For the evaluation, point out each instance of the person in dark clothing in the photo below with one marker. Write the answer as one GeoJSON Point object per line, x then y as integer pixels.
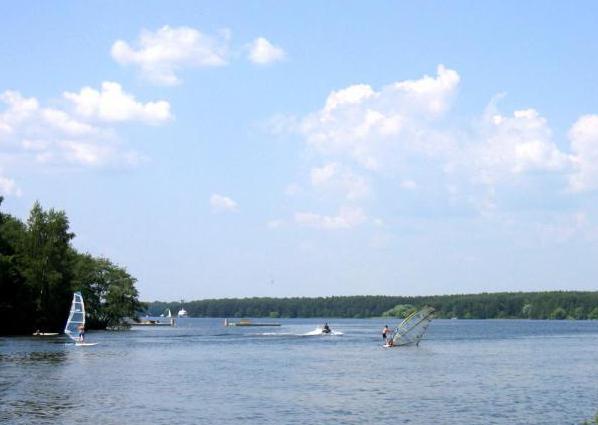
{"type": "Point", "coordinates": [385, 333]}
{"type": "Point", "coordinates": [326, 328]}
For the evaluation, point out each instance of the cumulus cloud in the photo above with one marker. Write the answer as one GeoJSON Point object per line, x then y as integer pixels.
{"type": "Point", "coordinates": [366, 125]}
{"type": "Point", "coordinates": [402, 134]}
{"type": "Point", "coordinates": [18, 110]}
{"type": "Point", "coordinates": [160, 54]}
{"type": "Point", "coordinates": [275, 223]}
{"type": "Point", "coordinates": [335, 177]}
{"type": "Point", "coordinates": [62, 121]}
{"type": "Point", "coordinates": [32, 133]}
{"type": "Point", "coordinates": [8, 187]}
{"type": "Point", "coordinates": [408, 184]}
{"type": "Point", "coordinates": [346, 218]}
{"type": "Point", "coordinates": [111, 103]}
{"type": "Point", "coordinates": [583, 136]}
{"type": "Point", "coordinates": [430, 93]}
{"type": "Point", "coordinates": [513, 145]}
{"type": "Point", "coordinates": [262, 52]}
{"type": "Point", "coordinates": [221, 203]}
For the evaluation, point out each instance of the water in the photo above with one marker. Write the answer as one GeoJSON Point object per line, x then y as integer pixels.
{"type": "Point", "coordinates": [465, 372]}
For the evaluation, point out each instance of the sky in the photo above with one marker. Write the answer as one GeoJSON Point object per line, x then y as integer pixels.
{"type": "Point", "coordinates": [266, 148]}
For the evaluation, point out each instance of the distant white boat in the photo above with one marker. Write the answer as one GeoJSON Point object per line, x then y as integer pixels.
{"type": "Point", "coordinates": [76, 321]}
{"type": "Point", "coordinates": [168, 314]}
{"type": "Point", "coordinates": [182, 312]}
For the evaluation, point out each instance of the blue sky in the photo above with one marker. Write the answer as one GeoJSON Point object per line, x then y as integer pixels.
{"type": "Point", "coordinates": [301, 149]}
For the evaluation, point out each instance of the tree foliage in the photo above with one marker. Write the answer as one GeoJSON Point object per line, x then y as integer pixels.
{"type": "Point", "coordinates": [522, 305]}
{"type": "Point", "coordinates": [400, 310]}
{"type": "Point", "coordinates": [39, 270]}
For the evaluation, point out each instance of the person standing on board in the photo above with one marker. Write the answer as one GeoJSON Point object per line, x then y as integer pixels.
{"type": "Point", "coordinates": [81, 329]}
{"type": "Point", "coordinates": [385, 333]}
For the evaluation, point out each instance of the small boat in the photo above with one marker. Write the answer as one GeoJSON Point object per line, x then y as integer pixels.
{"type": "Point", "coordinates": [321, 331]}
{"type": "Point", "coordinates": [245, 322]}
{"type": "Point", "coordinates": [38, 333]}
{"type": "Point", "coordinates": [182, 312]}
{"type": "Point", "coordinates": [75, 324]}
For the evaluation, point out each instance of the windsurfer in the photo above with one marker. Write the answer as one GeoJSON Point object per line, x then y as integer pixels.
{"type": "Point", "coordinates": [385, 333]}
{"type": "Point", "coordinates": [81, 330]}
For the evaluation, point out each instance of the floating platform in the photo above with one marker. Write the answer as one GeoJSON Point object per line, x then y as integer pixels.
{"type": "Point", "coordinates": [248, 323]}
{"type": "Point", "coordinates": [153, 323]}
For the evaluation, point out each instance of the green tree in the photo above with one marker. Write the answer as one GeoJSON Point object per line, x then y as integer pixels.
{"type": "Point", "coordinates": [558, 313]}
{"type": "Point", "coordinates": [579, 313]}
{"type": "Point", "coordinates": [527, 311]}
{"type": "Point", "coordinates": [39, 269]}
{"type": "Point", "coordinates": [108, 290]}
{"type": "Point", "coordinates": [16, 305]}
{"type": "Point", "coordinates": [400, 310]}
{"type": "Point", "coordinates": [47, 266]}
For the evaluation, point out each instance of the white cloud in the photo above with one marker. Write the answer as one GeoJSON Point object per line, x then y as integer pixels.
{"type": "Point", "coordinates": [514, 145]}
{"type": "Point", "coordinates": [347, 218]}
{"type": "Point", "coordinates": [322, 175]}
{"type": "Point", "coordinates": [33, 134]}
{"type": "Point", "coordinates": [351, 95]}
{"type": "Point", "coordinates": [402, 135]}
{"type": "Point", "coordinates": [63, 122]}
{"type": "Point", "coordinates": [583, 136]}
{"type": "Point", "coordinates": [275, 224]}
{"type": "Point", "coordinates": [370, 127]}
{"type": "Point", "coordinates": [8, 187]}
{"type": "Point", "coordinates": [19, 109]}
{"type": "Point", "coordinates": [262, 52]}
{"type": "Point", "coordinates": [335, 177]}
{"type": "Point", "coordinates": [409, 184]}
{"type": "Point", "coordinates": [431, 93]}
{"type": "Point", "coordinates": [220, 203]}
{"type": "Point", "coordinates": [112, 104]}
{"type": "Point", "coordinates": [160, 54]}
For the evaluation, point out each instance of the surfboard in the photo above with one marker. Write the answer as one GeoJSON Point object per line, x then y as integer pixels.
{"type": "Point", "coordinates": [85, 344]}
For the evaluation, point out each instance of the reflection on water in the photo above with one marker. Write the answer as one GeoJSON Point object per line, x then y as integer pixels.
{"type": "Point", "coordinates": [32, 371]}
{"type": "Point", "coordinates": [471, 372]}
{"type": "Point", "coordinates": [35, 357]}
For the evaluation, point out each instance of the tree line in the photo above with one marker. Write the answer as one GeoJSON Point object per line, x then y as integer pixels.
{"type": "Point", "coordinates": [517, 305]}
{"type": "Point", "coordinates": [40, 270]}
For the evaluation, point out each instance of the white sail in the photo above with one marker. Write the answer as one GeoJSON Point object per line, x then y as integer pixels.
{"type": "Point", "coordinates": [169, 314]}
{"type": "Point", "coordinates": [76, 318]}
{"type": "Point", "coordinates": [412, 329]}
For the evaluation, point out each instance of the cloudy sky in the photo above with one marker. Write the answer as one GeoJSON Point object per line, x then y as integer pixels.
{"type": "Point", "coordinates": [268, 148]}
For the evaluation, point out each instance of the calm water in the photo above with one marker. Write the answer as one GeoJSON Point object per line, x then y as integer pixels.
{"type": "Point", "coordinates": [465, 372]}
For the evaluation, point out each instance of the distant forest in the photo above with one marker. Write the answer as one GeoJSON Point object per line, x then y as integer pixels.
{"type": "Point", "coordinates": [518, 305]}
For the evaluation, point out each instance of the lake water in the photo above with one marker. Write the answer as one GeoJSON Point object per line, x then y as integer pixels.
{"type": "Point", "coordinates": [464, 372]}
